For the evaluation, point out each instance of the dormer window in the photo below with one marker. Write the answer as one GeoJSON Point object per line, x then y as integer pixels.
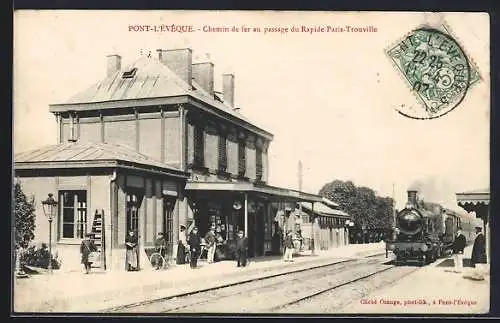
{"type": "Point", "coordinates": [130, 74]}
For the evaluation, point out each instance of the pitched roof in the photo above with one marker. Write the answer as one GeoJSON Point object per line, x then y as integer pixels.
{"type": "Point", "coordinates": [152, 80]}
{"type": "Point", "coordinates": [323, 209]}
{"type": "Point", "coordinates": [87, 151]}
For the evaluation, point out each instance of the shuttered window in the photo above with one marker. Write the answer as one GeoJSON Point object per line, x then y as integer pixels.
{"type": "Point", "coordinates": [199, 147]}
{"type": "Point", "coordinates": [222, 152]}
{"type": "Point", "coordinates": [258, 164]}
{"type": "Point", "coordinates": [241, 158]}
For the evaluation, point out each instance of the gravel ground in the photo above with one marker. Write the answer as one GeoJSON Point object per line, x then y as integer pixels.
{"type": "Point", "coordinates": [268, 294]}
{"type": "Point", "coordinates": [335, 300]}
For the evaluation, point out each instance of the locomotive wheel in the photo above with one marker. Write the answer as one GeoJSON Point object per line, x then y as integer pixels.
{"type": "Point", "coordinates": [397, 262]}
{"type": "Point", "coordinates": [429, 258]}
{"type": "Point", "coordinates": [423, 260]}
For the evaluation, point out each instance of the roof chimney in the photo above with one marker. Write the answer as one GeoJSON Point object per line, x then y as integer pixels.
{"type": "Point", "coordinates": [114, 64]}
{"type": "Point", "coordinates": [179, 61]}
{"type": "Point", "coordinates": [228, 89]}
{"type": "Point", "coordinates": [203, 75]}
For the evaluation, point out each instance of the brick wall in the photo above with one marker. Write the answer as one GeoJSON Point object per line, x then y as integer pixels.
{"type": "Point", "coordinates": [159, 207]}
{"type": "Point", "coordinates": [120, 237]}
{"type": "Point", "coordinates": [98, 197]}
{"type": "Point", "coordinates": [150, 137]}
{"type": "Point", "coordinates": [172, 140]}
{"type": "Point", "coordinates": [190, 144]}
{"type": "Point", "coordinates": [90, 132]}
{"type": "Point", "coordinates": [232, 157]}
{"type": "Point", "coordinates": [65, 131]}
{"type": "Point", "coordinates": [250, 161]}
{"type": "Point", "coordinates": [265, 165]}
{"type": "Point", "coordinates": [149, 232]}
{"type": "Point", "coordinates": [121, 132]}
{"type": "Point", "coordinates": [211, 148]}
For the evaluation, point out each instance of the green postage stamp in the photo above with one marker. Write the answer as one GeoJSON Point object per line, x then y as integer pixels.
{"type": "Point", "coordinates": [436, 68]}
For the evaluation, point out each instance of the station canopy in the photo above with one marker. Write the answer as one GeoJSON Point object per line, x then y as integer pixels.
{"type": "Point", "coordinates": [271, 193]}
{"type": "Point", "coordinates": [475, 201]}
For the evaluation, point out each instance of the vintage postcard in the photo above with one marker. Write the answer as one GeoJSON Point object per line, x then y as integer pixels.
{"type": "Point", "coordinates": [208, 162]}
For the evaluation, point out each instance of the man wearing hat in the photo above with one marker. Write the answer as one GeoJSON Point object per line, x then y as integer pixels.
{"type": "Point", "coordinates": [458, 250]}
{"type": "Point", "coordinates": [479, 248]}
{"type": "Point", "coordinates": [160, 247]}
{"type": "Point", "coordinates": [194, 247]}
{"type": "Point", "coordinates": [288, 246]}
{"type": "Point", "coordinates": [86, 248]}
{"type": "Point", "coordinates": [241, 249]}
{"type": "Point", "coordinates": [211, 244]}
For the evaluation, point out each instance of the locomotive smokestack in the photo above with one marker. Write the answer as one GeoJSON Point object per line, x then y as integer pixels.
{"type": "Point", "coordinates": [412, 197]}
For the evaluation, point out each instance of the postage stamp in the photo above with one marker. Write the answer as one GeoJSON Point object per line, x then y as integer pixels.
{"type": "Point", "coordinates": [437, 70]}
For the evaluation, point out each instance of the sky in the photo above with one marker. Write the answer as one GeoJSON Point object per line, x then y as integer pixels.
{"type": "Point", "coordinates": [328, 98]}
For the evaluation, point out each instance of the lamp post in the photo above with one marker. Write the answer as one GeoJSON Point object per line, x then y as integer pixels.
{"type": "Point", "coordinates": [49, 209]}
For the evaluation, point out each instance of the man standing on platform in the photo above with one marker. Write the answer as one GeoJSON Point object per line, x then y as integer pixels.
{"type": "Point", "coordinates": [288, 246]}
{"type": "Point", "coordinates": [241, 250]}
{"type": "Point", "coordinates": [194, 247]}
{"type": "Point", "coordinates": [211, 244]}
{"type": "Point", "coordinates": [160, 247]}
{"type": "Point", "coordinates": [458, 250]}
{"type": "Point", "coordinates": [479, 248]}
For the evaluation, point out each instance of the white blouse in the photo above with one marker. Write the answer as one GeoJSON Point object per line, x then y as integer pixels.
{"type": "Point", "coordinates": [182, 238]}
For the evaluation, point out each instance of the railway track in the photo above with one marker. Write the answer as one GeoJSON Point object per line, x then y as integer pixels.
{"type": "Point", "coordinates": [267, 294]}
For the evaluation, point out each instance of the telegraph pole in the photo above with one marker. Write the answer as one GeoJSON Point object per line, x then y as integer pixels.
{"type": "Point", "coordinates": [300, 186]}
{"type": "Point", "coordinates": [300, 190]}
{"type": "Point", "coordinates": [393, 207]}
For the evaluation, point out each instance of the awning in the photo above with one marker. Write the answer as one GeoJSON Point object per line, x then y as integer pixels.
{"type": "Point", "coordinates": [474, 197]}
{"type": "Point", "coordinates": [475, 201]}
{"type": "Point", "coordinates": [284, 193]}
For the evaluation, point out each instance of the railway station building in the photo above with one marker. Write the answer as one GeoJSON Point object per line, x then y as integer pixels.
{"type": "Point", "coordinates": [148, 148]}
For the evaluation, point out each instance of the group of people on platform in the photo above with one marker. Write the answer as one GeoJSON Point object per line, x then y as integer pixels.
{"type": "Point", "coordinates": [190, 246]}
{"type": "Point", "coordinates": [478, 255]}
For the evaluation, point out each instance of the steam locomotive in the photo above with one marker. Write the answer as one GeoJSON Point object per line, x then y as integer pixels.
{"type": "Point", "coordinates": [424, 231]}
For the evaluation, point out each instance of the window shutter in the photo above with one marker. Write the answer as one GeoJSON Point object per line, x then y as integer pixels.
{"type": "Point", "coordinates": [199, 147]}
{"type": "Point", "coordinates": [241, 158]}
{"type": "Point", "coordinates": [222, 153]}
{"type": "Point", "coordinates": [258, 164]}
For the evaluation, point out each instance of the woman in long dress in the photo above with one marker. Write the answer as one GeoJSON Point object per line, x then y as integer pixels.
{"type": "Point", "coordinates": [182, 246]}
{"type": "Point", "coordinates": [131, 245]}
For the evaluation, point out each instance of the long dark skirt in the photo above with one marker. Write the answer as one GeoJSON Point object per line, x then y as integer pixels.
{"type": "Point", "coordinates": [181, 254]}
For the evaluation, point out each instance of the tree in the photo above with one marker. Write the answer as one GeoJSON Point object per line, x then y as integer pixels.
{"type": "Point", "coordinates": [366, 208]}
{"type": "Point", "coordinates": [24, 212]}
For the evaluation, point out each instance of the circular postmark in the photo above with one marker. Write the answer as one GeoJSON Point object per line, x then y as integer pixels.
{"type": "Point", "coordinates": [436, 68]}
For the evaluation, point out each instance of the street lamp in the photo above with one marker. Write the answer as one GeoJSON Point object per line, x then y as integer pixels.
{"type": "Point", "coordinates": [49, 209]}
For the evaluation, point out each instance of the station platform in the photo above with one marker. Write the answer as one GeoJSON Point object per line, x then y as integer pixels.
{"type": "Point", "coordinates": [443, 290]}
{"type": "Point", "coordinates": [98, 291]}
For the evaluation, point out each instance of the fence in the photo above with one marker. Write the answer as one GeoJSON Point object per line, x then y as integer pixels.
{"type": "Point", "coordinates": [331, 238]}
